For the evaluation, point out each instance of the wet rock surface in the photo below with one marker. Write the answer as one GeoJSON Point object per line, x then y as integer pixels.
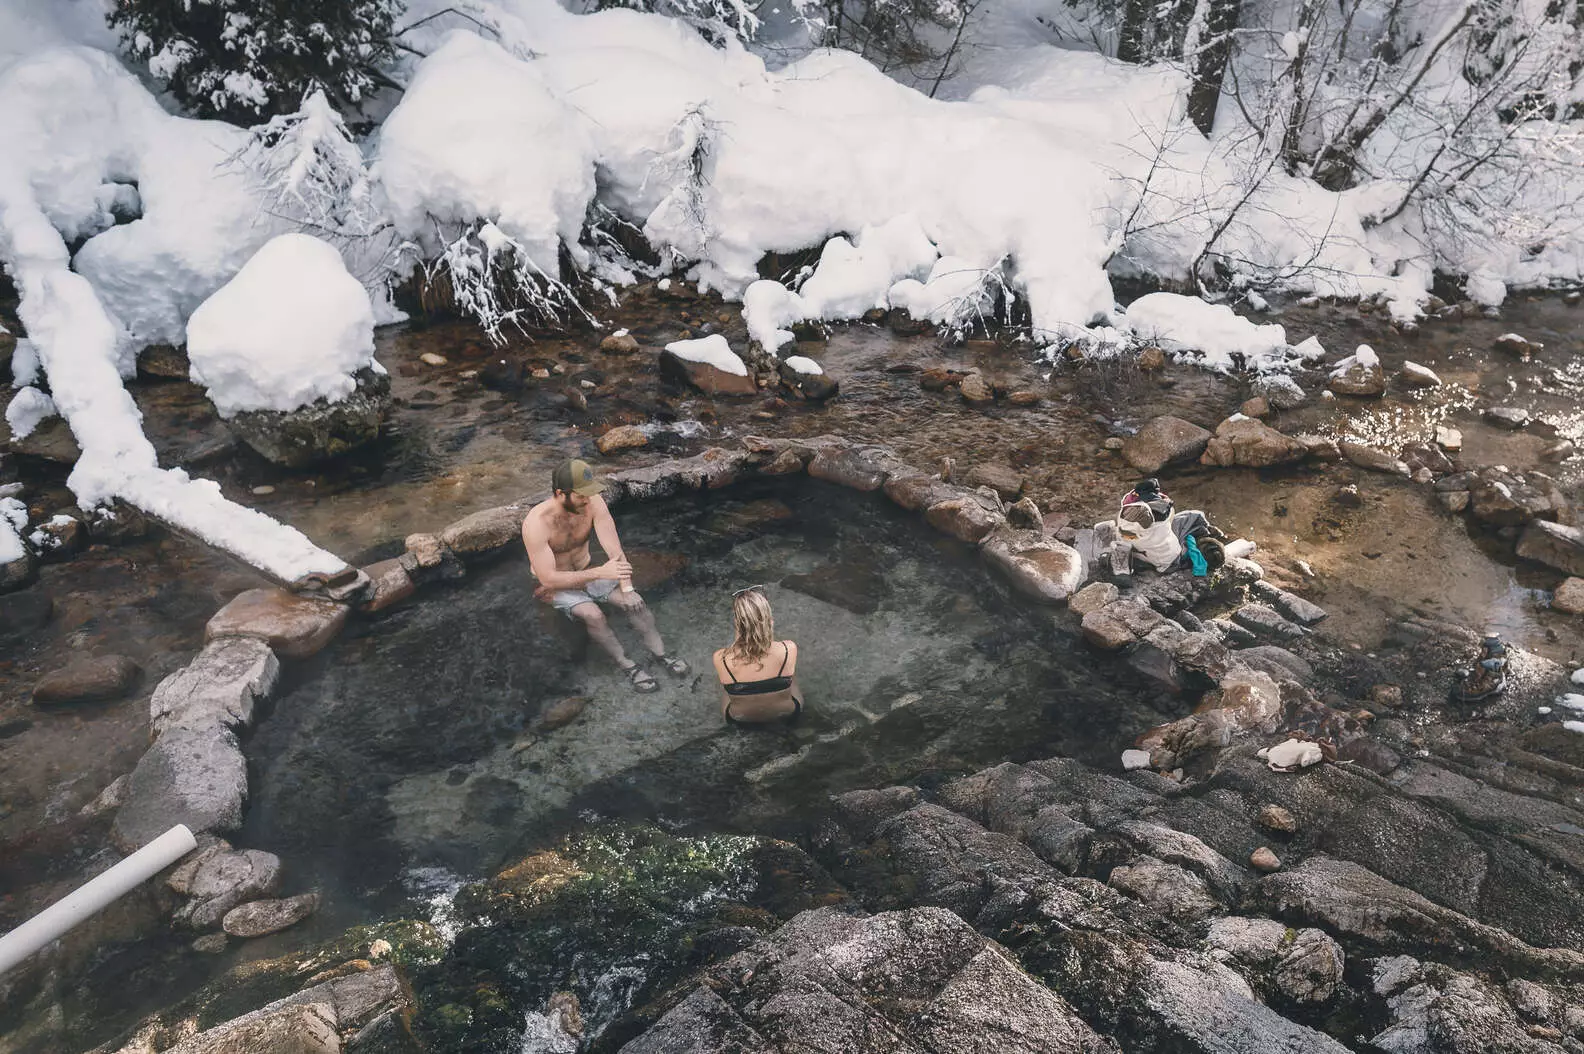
{"type": "Point", "coordinates": [99, 679]}
{"type": "Point", "coordinates": [320, 431]}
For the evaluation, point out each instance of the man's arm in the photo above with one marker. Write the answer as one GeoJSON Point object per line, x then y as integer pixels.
{"type": "Point", "coordinates": [605, 529]}
{"type": "Point", "coordinates": [541, 558]}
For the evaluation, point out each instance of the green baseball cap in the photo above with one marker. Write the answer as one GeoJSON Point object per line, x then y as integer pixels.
{"type": "Point", "coordinates": [575, 476]}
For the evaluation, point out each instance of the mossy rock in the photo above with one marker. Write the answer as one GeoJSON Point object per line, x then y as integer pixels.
{"type": "Point", "coordinates": [614, 916]}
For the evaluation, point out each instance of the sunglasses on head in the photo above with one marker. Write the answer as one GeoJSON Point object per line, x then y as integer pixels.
{"type": "Point", "coordinates": [747, 589]}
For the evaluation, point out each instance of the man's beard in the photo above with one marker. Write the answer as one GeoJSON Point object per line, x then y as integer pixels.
{"type": "Point", "coordinates": [566, 503]}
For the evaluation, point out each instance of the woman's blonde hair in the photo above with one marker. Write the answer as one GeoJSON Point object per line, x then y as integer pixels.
{"type": "Point", "coordinates": [753, 627]}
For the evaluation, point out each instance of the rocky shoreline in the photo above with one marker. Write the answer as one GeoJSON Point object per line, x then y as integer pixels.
{"type": "Point", "coordinates": [1204, 901]}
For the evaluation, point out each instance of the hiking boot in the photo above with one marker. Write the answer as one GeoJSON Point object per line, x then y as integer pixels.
{"type": "Point", "coordinates": [1484, 679]}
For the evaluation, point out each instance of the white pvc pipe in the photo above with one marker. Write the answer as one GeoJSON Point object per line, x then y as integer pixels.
{"type": "Point", "coordinates": [95, 895]}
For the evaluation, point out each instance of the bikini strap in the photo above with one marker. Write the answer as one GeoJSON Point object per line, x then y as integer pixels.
{"type": "Point", "coordinates": [728, 668]}
{"type": "Point", "coordinates": [786, 655]}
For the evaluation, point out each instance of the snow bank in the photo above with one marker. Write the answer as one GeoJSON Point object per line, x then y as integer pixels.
{"type": "Point", "coordinates": [1187, 324]}
{"type": "Point", "coordinates": [292, 326]}
{"type": "Point", "coordinates": [13, 521]}
{"type": "Point", "coordinates": [719, 160]}
{"type": "Point", "coordinates": [481, 135]}
{"type": "Point", "coordinates": [77, 129]}
{"type": "Point", "coordinates": [805, 365]}
{"type": "Point", "coordinates": [855, 277]}
{"type": "Point", "coordinates": [712, 350]}
{"type": "Point", "coordinates": [28, 408]}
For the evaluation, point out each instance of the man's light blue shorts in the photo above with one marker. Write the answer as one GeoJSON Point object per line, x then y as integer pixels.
{"type": "Point", "coordinates": [564, 600]}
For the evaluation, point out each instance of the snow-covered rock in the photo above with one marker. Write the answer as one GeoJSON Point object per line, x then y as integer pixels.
{"type": "Point", "coordinates": [707, 364]}
{"type": "Point", "coordinates": [1359, 374]}
{"type": "Point", "coordinates": [1214, 331]}
{"type": "Point", "coordinates": [292, 327]}
{"type": "Point", "coordinates": [26, 410]}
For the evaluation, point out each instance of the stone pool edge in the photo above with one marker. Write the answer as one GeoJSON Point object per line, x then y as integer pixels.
{"type": "Point", "coordinates": [195, 771]}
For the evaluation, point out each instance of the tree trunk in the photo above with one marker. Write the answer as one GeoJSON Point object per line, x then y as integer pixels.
{"type": "Point", "coordinates": [1209, 65]}
{"type": "Point", "coordinates": [1130, 39]}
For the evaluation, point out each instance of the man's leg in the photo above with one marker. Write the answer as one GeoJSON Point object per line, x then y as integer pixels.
{"type": "Point", "coordinates": [641, 618]}
{"type": "Point", "coordinates": [600, 632]}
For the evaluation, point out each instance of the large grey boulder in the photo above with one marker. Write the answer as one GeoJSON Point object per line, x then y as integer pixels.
{"type": "Point", "coordinates": [915, 980]}
{"type": "Point", "coordinates": [321, 430]}
{"type": "Point", "coordinates": [221, 686]}
{"type": "Point", "coordinates": [1350, 900]}
{"type": "Point", "coordinates": [1554, 545]}
{"type": "Point", "coordinates": [1164, 441]}
{"type": "Point", "coordinates": [196, 777]}
{"type": "Point", "coordinates": [1243, 441]}
{"type": "Point", "coordinates": [1301, 967]}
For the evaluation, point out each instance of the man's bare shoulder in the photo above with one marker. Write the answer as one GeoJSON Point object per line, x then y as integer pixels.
{"type": "Point", "coordinates": [537, 519]}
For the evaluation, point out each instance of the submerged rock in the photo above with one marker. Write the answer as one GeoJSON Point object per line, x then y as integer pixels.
{"type": "Point", "coordinates": [321, 430]}
{"type": "Point", "coordinates": [98, 679]}
{"type": "Point", "coordinates": [262, 917]}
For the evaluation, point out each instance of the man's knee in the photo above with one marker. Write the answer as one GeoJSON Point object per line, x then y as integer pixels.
{"type": "Point", "coordinates": [627, 602]}
{"type": "Point", "coordinates": [590, 615]}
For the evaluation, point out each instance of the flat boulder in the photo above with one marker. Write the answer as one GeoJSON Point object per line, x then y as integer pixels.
{"type": "Point", "coordinates": [220, 687]}
{"type": "Point", "coordinates": [914, 980]}
{"type": "Point", "coordinates": [1373, 460]}
{"type": "Point", "coordinates": [261, 917]}
{"type": "Point", "coordinates": [295, 626]}
{"type": "Point", "coordinates": [1003, 479]}
{"type": "Point", "coordinates": [1040, 568]}
{"type": "Point", "coordinates": [847, 467]}
{"type": "Point", "coordinates": [1569, 597]}
{"type": "Point", "coordinates": [1092, 597]}
{"type": "Point", "coordinates": [1243, 441]}
{"type": "Point", "coordinates": [196, 777]}
{"type": "Point", "coordinates": [95, 680]}
{"type": "Point", "coordinates": [965, 516]}
{"type": "Point", "coordinates": [486, 531]}
{"type": "Point", "coordinates": [622, 437]}
{"type": "Point", "coordinates": [1164, 441]}
{"type": "Point", "coordinates": [389, 584]}
{"type": "Point", "coordinates": [1279, 391]}
{"type": "Point", "coordinates": [1413, 375]}
{"type": "Point", "coordinates": [1554, 545]}
{"type": "Point", "coordinates": [1511, 418]}
{"type": "Point", "coordinates": [296, 1028]}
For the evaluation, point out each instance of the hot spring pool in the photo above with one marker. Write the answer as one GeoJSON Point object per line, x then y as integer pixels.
{"type": "Point", "coordinates": [413, 742]}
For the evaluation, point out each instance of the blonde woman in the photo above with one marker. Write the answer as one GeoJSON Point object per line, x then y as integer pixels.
{"type": "Point", "coordinates": [757, 673]}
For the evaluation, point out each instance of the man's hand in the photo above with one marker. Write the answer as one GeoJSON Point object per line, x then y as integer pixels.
{"type": "Point", "coordinates": [616, 569]}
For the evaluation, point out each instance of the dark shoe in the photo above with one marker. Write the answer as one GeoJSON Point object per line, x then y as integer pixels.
{"type": "Point", "coordinates": [642, 680]}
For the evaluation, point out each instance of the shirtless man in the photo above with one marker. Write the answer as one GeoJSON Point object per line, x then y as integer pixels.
{"type": "Point", "coordinates": [556, 535]}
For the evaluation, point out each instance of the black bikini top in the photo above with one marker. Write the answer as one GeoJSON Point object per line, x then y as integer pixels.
{"type": "Point", "coordinates": [778, 683]}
